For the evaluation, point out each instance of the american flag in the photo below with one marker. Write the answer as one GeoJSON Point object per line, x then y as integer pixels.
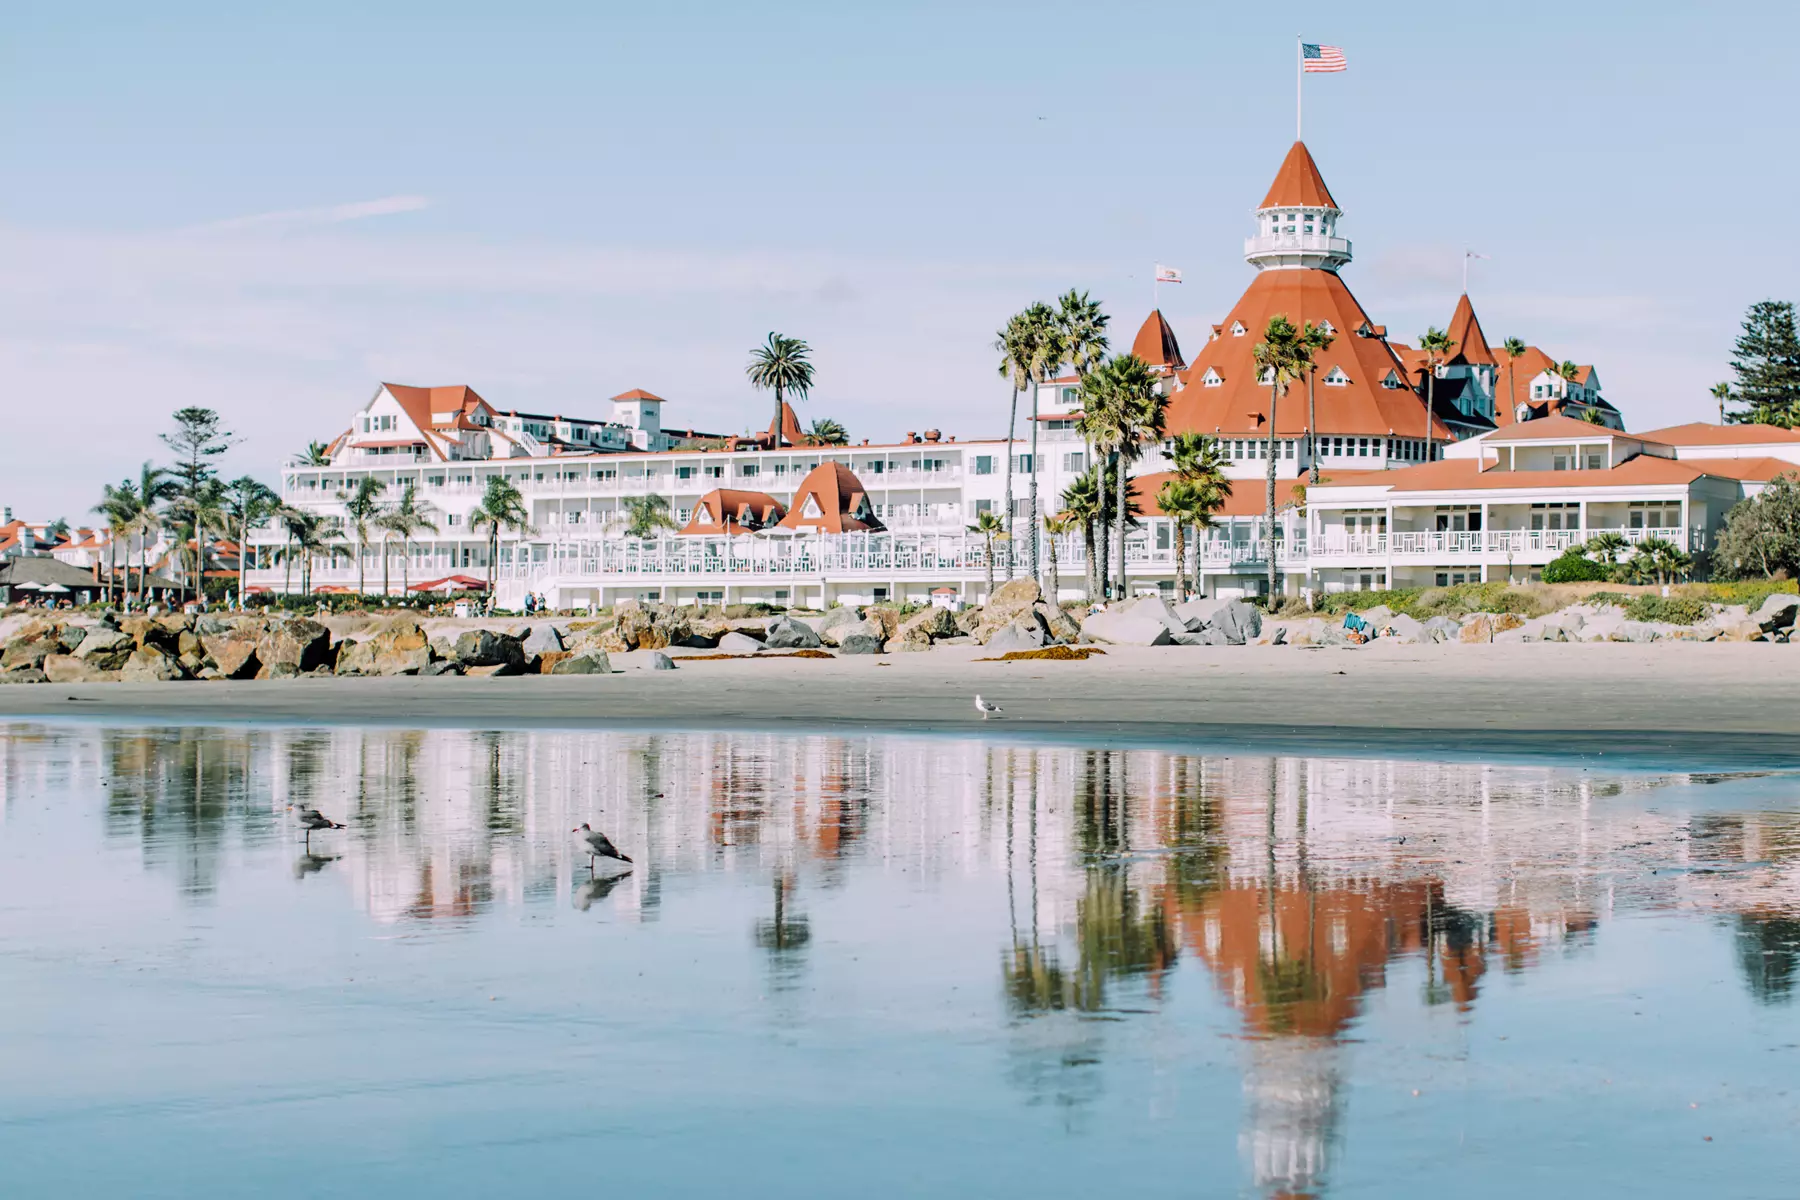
{"type": "Point", "coordinates": [1314, 57]}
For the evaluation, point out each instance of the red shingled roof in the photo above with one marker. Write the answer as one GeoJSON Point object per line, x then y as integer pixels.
{"type": "Point", "coordinates": [1704, 433]}
{"type": "Point", "coordinates": [1155, 343]}
{"type": "Point", "coordinates": [1471, 344]}
{"type": "Point", "coordinates": [839, 503]}
{"type": "Point", "coordinates": [1298, 182]}
{"type": "Point", "coordinates": [728, 510]}
{"type": "Point", "coordinates": [639, 394]}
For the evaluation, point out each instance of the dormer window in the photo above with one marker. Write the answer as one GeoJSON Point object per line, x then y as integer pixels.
{"type": "Point", "coordinates": [1325, 327]}
{"type": "Point", "coordinates": [1211, 378]}
{"type": "Point", "coordinates": [1237, 329]}
{"type": "Point", "coordinates": [1336, 378]}
{"type": "Point", "coordinates": [1391, 381]}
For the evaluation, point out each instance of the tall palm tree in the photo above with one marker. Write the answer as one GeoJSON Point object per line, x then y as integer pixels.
{"type": "Point", "coordinates": [154, 487]}
{"type": "Point", "coordinates": [502, 507]}
{"type": "Point", "coordinates": [248, 503]}
{"type": "Point", "coordinates": [292, 520]}
{"type": "Point", "coordinates": [1200, 462]}
{"type": "Point", "coordinates": [1721, 392]}
{"type": "Point", "coordinates": [644, 515]}
{"type": "Point", "coordinates": [1081, 504]}
{"type": "Point", "coordinates": [1079, 338]}
{"type": "Point", "coordinates": [1436, 345]}
{"type": "Point", "coordinates": [119, 505]}
{"type": "Point", "coordinates": [316, 454]}
{"type": "Point", "coordinates": [1566, 371]}
{"type": "Point", "coordinates": [310, 536]}
{"type": "Point", "coordinates": [1315, 339]}
{"type": "Point", "coordinates": [827, 432]}
{"type": "Point", "coordinates": [405, 520]}
{"type": "Point", "coordinates": [1056, 525]}
{"type": "Point", "coordinates": [1514, 349]}
{"type": "Point", "coordinates": [1283, 356]}
{"type": "Point", "coordinates": [1180, 501]}
{"type": "Point", "coordinates": [781, 364]}
{"type": "Point", "coordinates": [362, 505]}
{"type": "Point", "coordinates": [1016, 344]}
{"type": "Point", "coordinates": [989, 526]}
{"type": "Point", "coordinates": [1125, 415]}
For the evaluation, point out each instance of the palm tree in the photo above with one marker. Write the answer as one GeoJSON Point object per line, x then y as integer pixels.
{"type": "Point", "coordinates": [154, 486]}
{"type": "Point", "coordinates": [119, 505]}
{"type": "Point", "coordinates": [1722, 393]}
{"type": "Point", "coordinates": [501, 507]}
{"type": "Point", "coordinates": [248, 502]}
{"type": "Point", "coordinates": [1017, 346]}
{"type": "Point", "coordinates": [1179, 500]}
{"type": "Point", "coordinates": [315, 455]}
{"type": "Point", "coordinates": [404, 521]}
{"type": "Point", "coordinates": [989, 525]}
{"type": "Point", "coordinates": [1056, 525]}
{"type": "Point", "coordinates": [310, 536]}
{"type": "Point", "coordinates": [1513, 348]}
{"type": "Point", "coordinates": [1315, 339]}
{"type": "Point", "coordinates": [362, 506]}
{"type": "Point", "coordinates": [1077, 335]}
{"type": "Point", "coordinates": [1592, 416]}
{"type": "Point", "coordinates": [1657, 560]}
{"type": "Point", "coordinates": [293, 521]}
{"type": "Point", "coordinates": [1081, 504]}
{"type": "Point", "coordinates": [1606, 547]}
{"type": "Point", "coordinates": [647, 514]}
{"type": "Point", "coordinates": [1122, 411]}
{"type": "Point", "coordinates": [1283, 356]}
{"type": "Point", "coordinates": [827, 432]}
{"type": "Point", "coordinates": [781, 364]}
{"type": "Point", "coordinates": [1436, 346]}
{"type": "Point", "coordinates": [1200, 462]}
{"type": "Point", "coordinates": [1565, 371]}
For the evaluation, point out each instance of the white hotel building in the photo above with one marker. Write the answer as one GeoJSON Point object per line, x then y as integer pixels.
{"type": "Point", "coordinates": [1499, 479]}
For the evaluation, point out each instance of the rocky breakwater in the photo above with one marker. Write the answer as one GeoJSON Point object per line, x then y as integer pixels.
{"type": "Point", "coordinates": [1153, 621]}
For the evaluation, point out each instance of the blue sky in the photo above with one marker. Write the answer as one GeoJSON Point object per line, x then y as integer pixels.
{"type": "Point", "coordinates": [268, 210]}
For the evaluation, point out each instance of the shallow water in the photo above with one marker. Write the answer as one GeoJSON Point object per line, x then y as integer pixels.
{"type": "Point", "coordinates": [883, 966]}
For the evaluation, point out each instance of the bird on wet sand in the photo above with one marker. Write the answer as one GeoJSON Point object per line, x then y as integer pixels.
{"type": "Point", "coordinates": [311, 819]}
{"type": "Point", "coordinates": [598, 845]}
{"type": "Point", "coordinates": [985, 707]}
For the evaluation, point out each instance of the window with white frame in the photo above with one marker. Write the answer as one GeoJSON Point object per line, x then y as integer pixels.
{"type": "Point", "coordinates": [984, 464]}
{"type": "Point", "coordinates": [1211, 378]}
{"type": "Point", "coordinates": [1075, 461]}
{"type": "Point", "coordinates": [1336, 377]}
{"type": "Point", "coordinates": [1237, 329]}
{"type": "Point", "coordinates": [1655, 514]}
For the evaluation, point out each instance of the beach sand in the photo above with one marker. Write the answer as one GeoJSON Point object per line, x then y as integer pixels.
{"type": "Point", "coordinates": [1733, 704]}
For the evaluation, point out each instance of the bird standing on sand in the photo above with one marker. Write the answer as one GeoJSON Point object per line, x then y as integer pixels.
{"type": "Point", "coordinates": [312, 819]}
{"type": "Point", "coordinates": [984, 708]}
{"type": "Point", "coordinates": [598, 845]}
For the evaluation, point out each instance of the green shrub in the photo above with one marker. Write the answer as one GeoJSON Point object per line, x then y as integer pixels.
{"type": "Point", "coordinates": [1424, 603]}
{"type": "Point", "coordinates": [1748, 592]}
{"type": "Point", "coordinates": [1618, 598]}
{"type": "Point", "coordinates": [1575, 567]}
{"type": "Point", "coordinates": [1675, 610]}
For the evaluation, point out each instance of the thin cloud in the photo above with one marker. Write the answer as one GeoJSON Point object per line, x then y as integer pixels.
{"type": "Point", "coordinates": [334, 214]}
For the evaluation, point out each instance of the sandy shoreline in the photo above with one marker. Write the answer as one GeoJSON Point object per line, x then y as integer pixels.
{"type": "Point", "coordinates": [1730, 704]}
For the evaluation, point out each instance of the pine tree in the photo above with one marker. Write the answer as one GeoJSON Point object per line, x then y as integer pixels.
{"type": "Point", "coordinates": [1767, 363]}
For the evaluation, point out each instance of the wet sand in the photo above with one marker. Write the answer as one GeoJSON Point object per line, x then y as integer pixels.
{"type": "Point", "coordinates": [1734, 705]}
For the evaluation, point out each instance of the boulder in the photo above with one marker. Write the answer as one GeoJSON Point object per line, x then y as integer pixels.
{"type": "Point", "coordinates": [785, 633]}
{"type": "Point", "coordinates": [968, 620]}
{"type": "Point", "coordinates": [632, 623]}
{"type": "Point", "coordinates": [297, 642]}
{"type": "Point", "coordinates": [887, 618]}
{"type": "Point", "coordinates": [739, 643]}
{"type": "Point", "coordinates": [1239, 620]}
{"type": "Point", "coordinates": [670, 627]}
{"type": "Point", "coordinates": [492, 670]}
{"type": "Point", "coordinates": [105, 649]}
{"type": "Point", "coordinates": [1440, 629]}
{"type": "Point", "coordinates": [20, 655]}
{"type": "Point", "coordinates": [1746, 630]}
{"type": "Point", "coordinates": [24, 675]}
{"type": "Point", "coordinates": [931, 622]}
{"type": "Point", "coordinates": [1408, 631]}
{"type": "Point", "coordinates": [1119, 628]}
{"type": "Point", "coordinates": [66, 668]}
{"type": "Point", "coordinates": [70, 637]}
{"type": "Point", "coordinates": [1272, 635]}
{"type": "Point", "coordinates": [397, 646]}
{"type": "Point", "coordinates": [1380, 615]}
{"type": "Point", "coordinates": [542, 639]}
{"type": "Point", "coordinates": [1157, 609]}
{"type": "Point", "coordinates": [1636, 631]}
{"type": "Point", "coordinates": [1778, 611]}
{"type": "Point", "coordinates": [150, 664]}
{"type": "Point", "coordinates": [487, 648]}
{"type": "Point", "coordinates": [1014, 595]}
{"type": "Point", "coordinates": [1600, 626]}
{"type": "Point", "coordinates": [1198, 613]}
{"type": "Point", "coordinates": [1478, 628]}
{"type": "Point", "coordinates": [833, 622]}
{"type": "Point", "coordinates": [232, 657]}
{"type": "Point", "coordinates": [1059, 624]}
{"type": "Point", "coordinates": [646, 660]}
{"type": "Point", "coordinates": [961, 639]}
{"type": "Point", "coordinates": [1016, 635]}
{"type": "Point", "coordinates": [852, 642]}
{"type": "Point", "coordinates": [285, 670]}
{"type": "Point", "coordinates": [442, 666]}
{"type": "Point", "coordinates": [586, 662]}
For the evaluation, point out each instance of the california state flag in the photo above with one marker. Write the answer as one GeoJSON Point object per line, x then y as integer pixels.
{"type": "Point", "coordinates": [1167, 274]}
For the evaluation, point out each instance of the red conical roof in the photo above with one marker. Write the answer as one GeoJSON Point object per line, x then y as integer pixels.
{"type": "Point", "coordinates": [1155, 343]}
{"type": "Point", "coordinates": [1298, 183]}
{"type": "Point", "coordinates": [1471, 347]}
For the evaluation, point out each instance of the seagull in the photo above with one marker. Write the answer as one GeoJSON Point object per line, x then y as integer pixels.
{"type": "Point", "coordinates": [984, 708]}
{"type": "Point", "coordinates": [598, 845]}
{"type": "Point", "coordinates": [312, 819]}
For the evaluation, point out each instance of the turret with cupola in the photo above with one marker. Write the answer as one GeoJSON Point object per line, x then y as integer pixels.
{"type": "Point", "coordinates": [1297, 222]}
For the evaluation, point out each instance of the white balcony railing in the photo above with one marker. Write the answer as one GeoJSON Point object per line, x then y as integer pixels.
{"type": "Point", "coordinates": [1521, 543]}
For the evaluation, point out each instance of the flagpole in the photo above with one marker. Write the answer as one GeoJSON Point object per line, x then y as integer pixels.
{"type": "Point", "coordinates": [1299, 79]}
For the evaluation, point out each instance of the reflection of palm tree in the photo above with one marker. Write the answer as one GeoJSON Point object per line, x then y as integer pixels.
{"type": "Point", "coordinates": [1769, 954]}
{"type": "Point", "coordinates": [784, 932]}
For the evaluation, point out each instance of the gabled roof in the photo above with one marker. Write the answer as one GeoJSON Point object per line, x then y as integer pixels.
{"type": "Point", "coordinates": [1512, 383]}
{"type": "Point", "coordinates": [1558, 428]}
{"type": "Point", "coordinates": [1747, 470]}
{"type": "Point", "coordinates": [1298, 182]}
{"type": "Point", "coordinates": [1155, 343]}
{"type": "Point", "coordinates": [1240, 404]}
{"type": "Point", "coordinates": [420, 403]}
{"type": "Point", "coordinates": [1704, 433]}
{"type": "Point", "coordinates": [839, 503]}
{"type": "Point", "coordinates": [729, 510]}
{"type": "Point", "coordinates": [1471, 347]}
{"type": "Point", "coordinates": [639, 394]}
{"type": "Point", "coordinates": [1452, 474]}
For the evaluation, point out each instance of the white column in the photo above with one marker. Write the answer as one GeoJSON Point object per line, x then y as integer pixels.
{"type": "Point", "coordinates": [1483, 541]}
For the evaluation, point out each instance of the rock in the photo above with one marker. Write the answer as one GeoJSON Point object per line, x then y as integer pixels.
{"type": "Point", "coordinates": [397, 646]}
{"type": "Point", "coordinates": [1505, 621]}
{"type": "Point", "coordinates": [1440, 629]}
{"type": "Point", "coordinates": [1059, 624]}
{"type": "Point", "coordinates": [150, 664]}
{"type": "Point", "coordinates": [961, 639]}
{"type": "Point", "coordinates": [1198, 613]}
{"type": "Point", "coordinates": [785, 633]}
{"type": "Point", "coordinates": [738, 643]}
{"type": "Point", "coordinates": [1013, 595]}
{"type": "Point", "coordinates": [278, 671]}
{"type": "Point", "coordinates": [1239, 620]}
{"type": "Point", "coordinates": [232, 657]}
{"type": "Point", "coordinates": [670, 627]}
{"type": "Point", "coordinates": [66, 668]}
{"type": "Point", "coordinates": [1118, 628]}
{"type": "Point", "coordinates": [105, 649]}
{"type": "Point", "coordinates": [931, 622]}
{"type": "Point", "coordinates": [632, 623]}
{"type": "Point", "coordinates": [887, 618]}
{"type": "Point", "coordinates": [646, 660]}
{"type": "Point", "coordinates": [1778, 611]}
{"type": "Point", "coordinates": [542, 639]}
{"type": "Point", "coordinates": [1378, 616]}
{"type": "Point", "coordinates": [586, 662]}
{"type": "Point", "coordinates": [828, 626]}
{"type": "Point", "coordinates": [487, 648]}
{"type": "Point", "coordinates": [1635, 631]}
{"type": "Point", "coordinates": [968, 620]}
{"type": "Point", "coordinates": [1408, 631]}
{"type": "Point", "coordinates": [545, 663]}
{"type": "Point", "coordinates": [1478, 628]}
{"type": "Point", "coordinates": [442, 666]}
{"type": "Point", "coordinates": [492, 670]}
{"type": "Point", "coordinates": [1271, 635]}
{"type": "Point", "coordinates": [69, 637]}
{"type": "Point", "coordinates": [297, 642]}
{"type": "Point", "coordinates": [1016, 635]}
{"type": "Point", "coordinates": [1157, 609]}
{"type": "Point", "coordinates": [20, 655]}
{"type": "Point", "coordinates": [1737, 631]}
{"type": "Point", "coordinates": [24, 675]}
{"type": "Point", "coordinates": [859, 643]}
{"type": "Point", "coordinates": [865, 632]}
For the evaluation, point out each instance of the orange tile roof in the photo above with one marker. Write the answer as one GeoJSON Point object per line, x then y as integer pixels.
{"type": "Point", "coordinates": [842, 501]}
{"type": "Point", "coordinates": [639, 394]}
{"type": "Point", "coordinates": [1155, 343]}
{"type": "Point", "coordinates": [729, 510]}
{"type": "Point", "coordinates": [1298, 182]}
{"type": "Point", "coordinates": [1704, 433]}
{"type": "Point", "coordinates": [1249, 497]}
{"type": "Point", "coordinates": [1453, 474]}
{"type": "Point", "coordinates": [1745, 470]}
{"type": "Point", "coordinates": [1512, 383]}
{"type": "Point", "coordinates": [1557, 427]}
{"type": "Point", "coordinates": [1240, 404]}
{"type": "Point", "coordinates": [1471, 344]}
